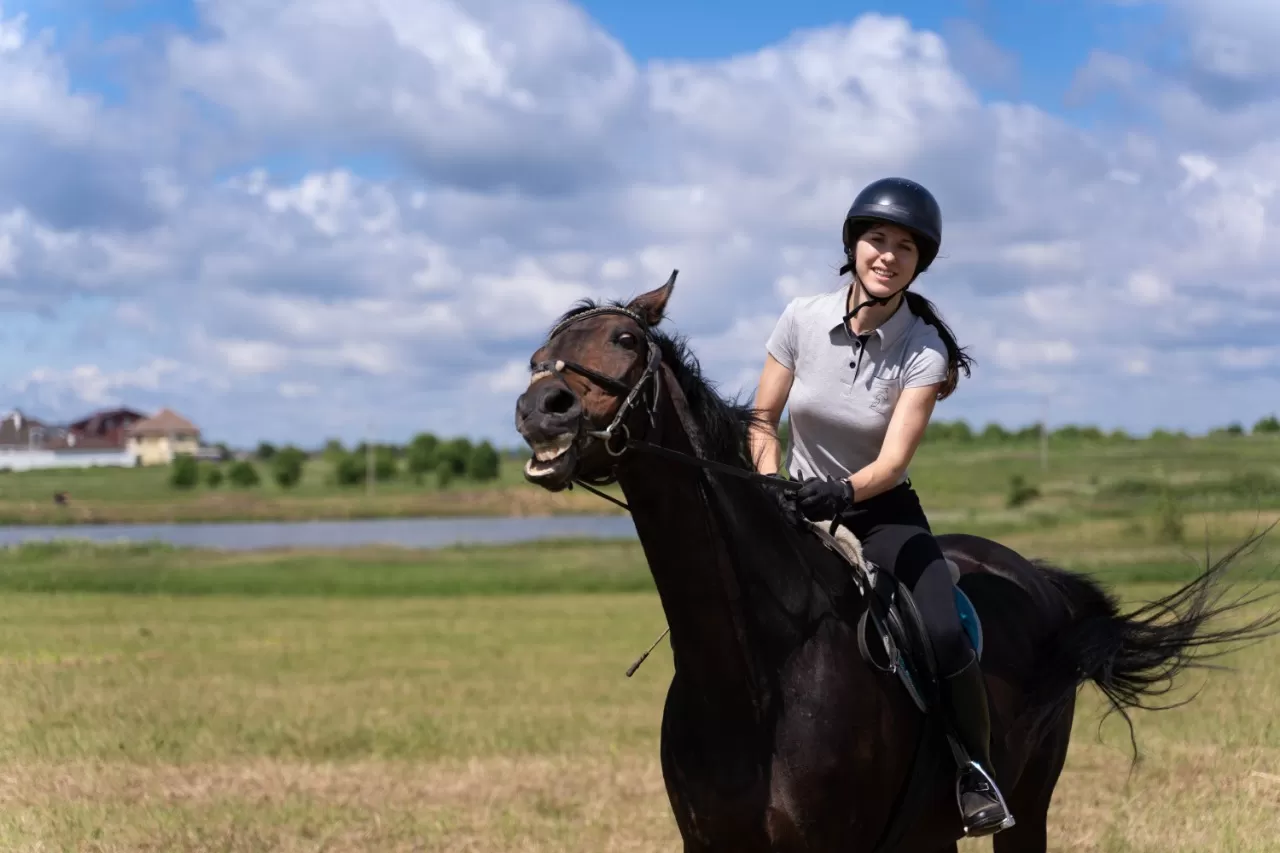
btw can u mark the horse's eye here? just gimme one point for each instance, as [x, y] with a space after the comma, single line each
[626, 339]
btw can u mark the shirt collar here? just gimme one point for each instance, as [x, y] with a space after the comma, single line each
[888, 331]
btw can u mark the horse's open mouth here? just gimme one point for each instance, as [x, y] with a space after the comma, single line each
[553, 462]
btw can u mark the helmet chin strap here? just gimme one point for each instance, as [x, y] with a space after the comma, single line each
[871, 300]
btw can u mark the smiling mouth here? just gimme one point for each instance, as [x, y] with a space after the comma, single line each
[552, 460]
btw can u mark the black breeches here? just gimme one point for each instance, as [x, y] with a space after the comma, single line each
[895, 536]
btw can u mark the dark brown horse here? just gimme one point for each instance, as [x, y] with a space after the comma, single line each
[777, 735]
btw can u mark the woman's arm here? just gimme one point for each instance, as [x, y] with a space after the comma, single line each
[771, 399]
[906, 429]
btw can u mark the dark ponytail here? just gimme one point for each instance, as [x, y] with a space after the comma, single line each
[957, 358]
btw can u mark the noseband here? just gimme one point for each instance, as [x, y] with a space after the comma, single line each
[617, 386]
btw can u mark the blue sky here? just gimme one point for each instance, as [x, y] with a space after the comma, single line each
[332, 213]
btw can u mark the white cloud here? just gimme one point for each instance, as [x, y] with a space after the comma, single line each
[522, 160]
[90, 385]
[1149, 288]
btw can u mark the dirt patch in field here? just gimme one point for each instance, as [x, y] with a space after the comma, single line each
[1181, 800]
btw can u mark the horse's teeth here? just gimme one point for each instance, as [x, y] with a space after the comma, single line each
[547, 450]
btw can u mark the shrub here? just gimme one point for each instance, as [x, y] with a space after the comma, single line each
[184, 472]
[1169, 517]
[213, 478]
[1269, 424]
[350, 470]
[1020, 492]
[243, 474]
[485, 463]
[287, 467]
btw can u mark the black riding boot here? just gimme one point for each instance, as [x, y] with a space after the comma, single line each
[982, 806]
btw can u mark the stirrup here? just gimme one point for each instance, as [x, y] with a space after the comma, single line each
[974, 767]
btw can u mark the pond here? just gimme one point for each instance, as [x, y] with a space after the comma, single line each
[404, 532]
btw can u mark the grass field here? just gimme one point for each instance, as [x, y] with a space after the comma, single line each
[473, 698]
[968, 483]
[143, 495]
[165, 700]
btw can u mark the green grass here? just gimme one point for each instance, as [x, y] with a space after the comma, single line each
[544, 567]
[144, 495]
[968, 482]
[488, 723]
[157, 569]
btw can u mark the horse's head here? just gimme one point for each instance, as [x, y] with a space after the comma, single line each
[593, 379]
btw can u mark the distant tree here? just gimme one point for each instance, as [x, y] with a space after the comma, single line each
[484, 463]
[333, 451]
[266, 450]
[456, 453]
[244, 474]
[1118, 435]
[385, 466]
[184, 472]
[213, 477]
[1269, 424]
[422, 454]
[995, 433]
[1028, 432]
[444, 474]
[287, 466]
[353, 468]
[349, 470]
[948, 431]
[224, 452]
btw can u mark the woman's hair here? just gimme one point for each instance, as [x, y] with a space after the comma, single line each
[957, 358]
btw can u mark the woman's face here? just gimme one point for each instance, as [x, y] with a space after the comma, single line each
[885, 259]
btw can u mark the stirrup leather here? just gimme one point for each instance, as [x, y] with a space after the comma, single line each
[974, 767]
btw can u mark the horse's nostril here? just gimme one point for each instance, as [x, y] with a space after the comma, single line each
[558, 401]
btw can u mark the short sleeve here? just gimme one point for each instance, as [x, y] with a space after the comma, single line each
[782, 342]
[926, 361]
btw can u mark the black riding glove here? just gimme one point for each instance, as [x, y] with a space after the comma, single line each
[823, 500]
[786, 502]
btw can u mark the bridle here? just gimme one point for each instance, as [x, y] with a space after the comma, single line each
[651, 377]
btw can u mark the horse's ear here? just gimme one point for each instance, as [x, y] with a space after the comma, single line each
[653, 304]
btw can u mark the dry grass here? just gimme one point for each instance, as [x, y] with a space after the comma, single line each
[474, 724]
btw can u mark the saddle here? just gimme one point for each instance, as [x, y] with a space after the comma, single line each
[892, 636]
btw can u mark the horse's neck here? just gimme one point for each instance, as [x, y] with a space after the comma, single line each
[690, 557]
[696, 582]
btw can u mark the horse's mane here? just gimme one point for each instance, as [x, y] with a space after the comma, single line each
[725, 423]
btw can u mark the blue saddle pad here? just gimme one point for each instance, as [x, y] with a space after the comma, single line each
[969, 620]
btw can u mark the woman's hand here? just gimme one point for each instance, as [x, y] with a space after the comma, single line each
[822, 500]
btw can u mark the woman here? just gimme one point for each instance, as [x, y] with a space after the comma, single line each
[861, 368]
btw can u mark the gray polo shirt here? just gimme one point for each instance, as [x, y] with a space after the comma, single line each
[846, 386]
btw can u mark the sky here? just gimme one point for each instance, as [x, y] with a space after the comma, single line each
[328, 218]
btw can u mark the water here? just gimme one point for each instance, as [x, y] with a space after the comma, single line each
[405, 532]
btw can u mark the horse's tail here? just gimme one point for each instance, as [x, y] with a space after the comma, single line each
[1135, 656]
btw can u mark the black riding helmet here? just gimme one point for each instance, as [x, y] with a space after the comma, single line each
[902, 202]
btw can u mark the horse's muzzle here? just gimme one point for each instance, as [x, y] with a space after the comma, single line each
[549, 418]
